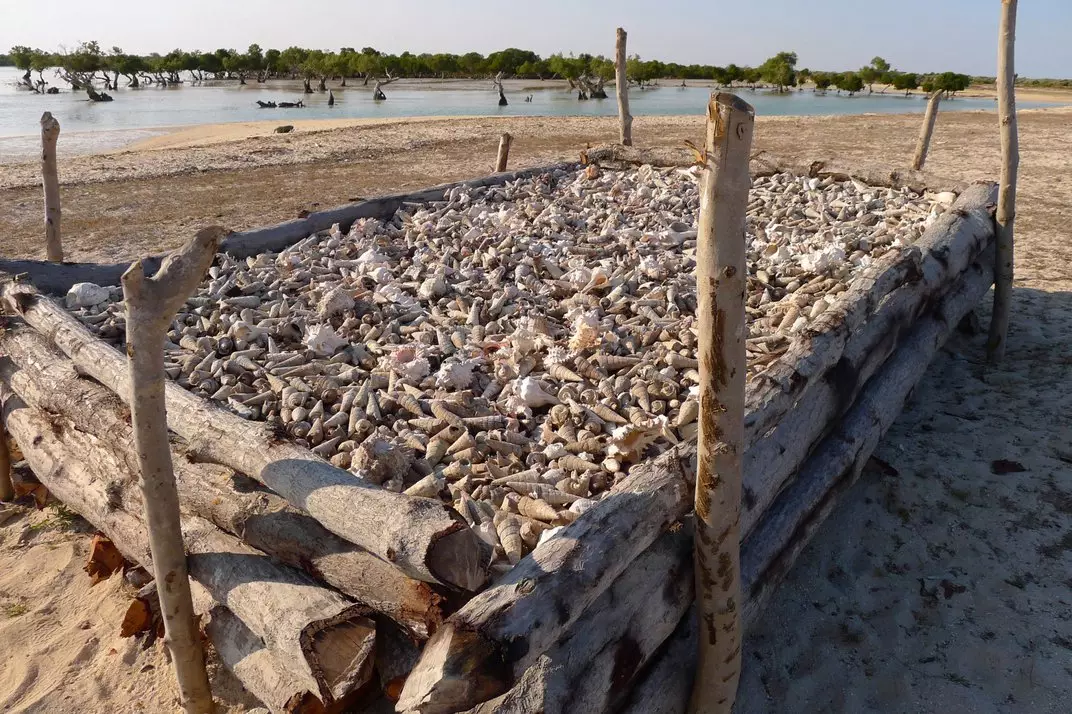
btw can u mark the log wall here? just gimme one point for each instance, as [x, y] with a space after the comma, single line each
[598, 615]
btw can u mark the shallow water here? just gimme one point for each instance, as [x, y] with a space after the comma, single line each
[136, 114]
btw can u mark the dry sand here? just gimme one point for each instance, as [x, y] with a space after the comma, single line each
[945, 587]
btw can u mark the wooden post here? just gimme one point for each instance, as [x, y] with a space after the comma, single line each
[1010, 166]
[927, 131]
[625, 120]
[720, 280]
[151, 303]
[7, 488]
[50, 132]
[504, 152]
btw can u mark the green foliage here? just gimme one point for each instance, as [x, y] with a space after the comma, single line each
[823, 80]
[780, 70]
[849, 82]
[906, 81]
[14, 609]
[880, 65]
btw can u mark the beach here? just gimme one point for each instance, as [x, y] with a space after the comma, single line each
[940, 583]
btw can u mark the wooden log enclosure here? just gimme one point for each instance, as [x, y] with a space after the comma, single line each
[321, 592]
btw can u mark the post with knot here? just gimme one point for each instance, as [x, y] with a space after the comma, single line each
[151, 304]
[720, 287]
[504, 152]
[50, 133]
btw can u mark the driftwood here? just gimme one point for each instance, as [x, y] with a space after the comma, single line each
[721, 276]
[258, 668]
[927, 131]
[420, 536]
[152, 301]
[57, 278]
[774, 545]
[50, 133]
[621, 88]
[593, 665]
[664, 687]
[1010, 168]
[46, 379]
[321, 637]
[504, 152]
[483, 649]
[793, 403]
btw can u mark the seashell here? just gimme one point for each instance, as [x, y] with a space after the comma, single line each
[680, 361]
[614, 363]
[376, 460]
[465, 441]
[563, 373]
[629, 442]
[607, 414]
[410, 404]
[440, 410]
[575, 463]
[428, 487]
[537, 509]
[509, 530]
[335, 301]
[504, 447]
[639, 391]
[532, 394]
[323, 340]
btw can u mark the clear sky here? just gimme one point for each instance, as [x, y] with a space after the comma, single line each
[914, 35]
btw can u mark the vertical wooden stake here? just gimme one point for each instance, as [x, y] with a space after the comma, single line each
[927, 131]
[1010, 167]
[504, 152]
[50, 132]
[151, 303]
[7, 488]
[720, 287]
[625, 120]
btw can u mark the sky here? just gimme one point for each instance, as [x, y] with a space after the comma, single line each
[913, 35]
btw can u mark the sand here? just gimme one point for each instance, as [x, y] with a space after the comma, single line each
[942, 583]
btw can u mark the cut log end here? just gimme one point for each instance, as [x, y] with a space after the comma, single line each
[460, 559]
[456, 669]
[342, 655]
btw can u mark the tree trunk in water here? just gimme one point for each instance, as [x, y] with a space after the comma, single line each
[50, 132]
[504, 152]
[720, 279]
[625, 120]
[151, 304]
[927, 131]
[323, 85]
[307, 89]
[1010, 167]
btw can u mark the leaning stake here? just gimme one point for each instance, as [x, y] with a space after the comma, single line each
[50, 132]
[1010, 166]
[151, 304]
[720, 287]
[621, 88]
[927, 131]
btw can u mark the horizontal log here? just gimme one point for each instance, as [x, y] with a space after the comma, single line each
[57, 278]
[420, 536]
[483, 649]
[774, 545]
[322, 639]
[945, 249]
[665, 687]
[865, 333]
[595, 663]
[44, 378]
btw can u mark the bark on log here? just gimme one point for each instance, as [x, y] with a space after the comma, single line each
[665, 686]
[44, 378]
[949, 245]
[621, 88]
[422, 537]
[50, 132]
[825, 372]
[258, 668]
[1010, 168]
[927, 131]
[57, 278]
[721, 274]
[790, 522]
[504, 152]
[484, 648]
[151, 305]
[318, 635]
[594, 664]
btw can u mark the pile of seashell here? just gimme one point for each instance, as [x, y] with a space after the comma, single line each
[513, 347]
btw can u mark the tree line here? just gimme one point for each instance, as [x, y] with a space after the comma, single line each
[89, 63]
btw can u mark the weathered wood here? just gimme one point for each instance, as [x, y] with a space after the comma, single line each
[721, 275]
[860, 332]
[50, 133]
[318, 635]
[484, 648]
[949, 244]
[504, 151]
[1010, 168]
[595, 663]
[621, 88]
[664, 688]
[151, 305]
[7, 488]
[774, 545]
[258, 668]
[420, 536]
[927, 131]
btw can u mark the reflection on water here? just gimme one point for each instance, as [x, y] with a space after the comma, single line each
[113, 123]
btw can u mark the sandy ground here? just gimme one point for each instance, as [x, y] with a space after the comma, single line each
[945, 587]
